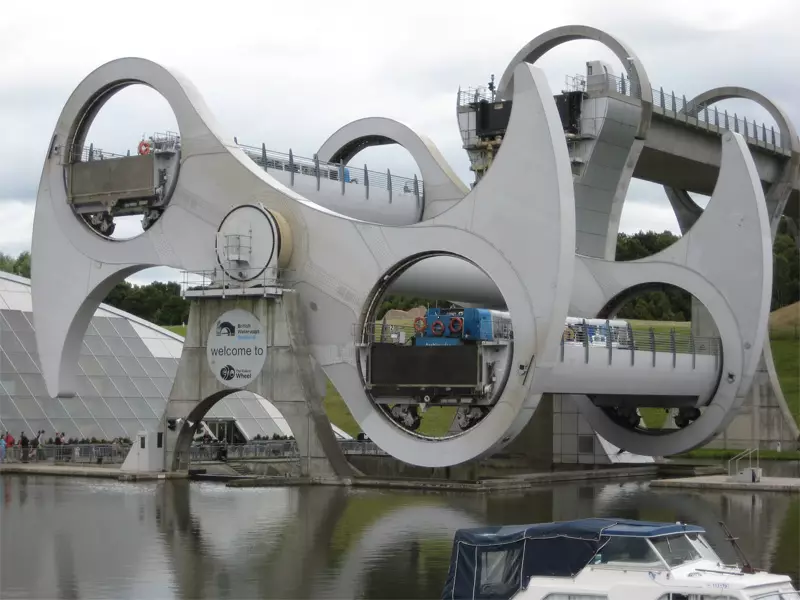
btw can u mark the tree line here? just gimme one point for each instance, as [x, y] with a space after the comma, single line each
[162, 304]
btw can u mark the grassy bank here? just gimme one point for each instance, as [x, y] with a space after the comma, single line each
[786, 354]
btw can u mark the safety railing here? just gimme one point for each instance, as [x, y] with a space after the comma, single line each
[574, 83]
[355, 447]
[218, 282]
[733, 463]
[616, 339]
[384, 332]
[90, 153]
[254, 450]
[289, 162]
[677, 107]
[345, 174]
[672, 341]
[69, 453]
[271, 449]
[473, 95]
[669, 103]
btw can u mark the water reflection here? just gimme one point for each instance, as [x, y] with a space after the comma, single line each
[80, 538]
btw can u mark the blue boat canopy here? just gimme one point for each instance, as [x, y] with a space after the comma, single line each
[496, 562]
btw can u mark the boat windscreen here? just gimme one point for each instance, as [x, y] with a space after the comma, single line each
[676, 549]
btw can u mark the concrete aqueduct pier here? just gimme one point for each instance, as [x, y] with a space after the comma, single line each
[296, 256]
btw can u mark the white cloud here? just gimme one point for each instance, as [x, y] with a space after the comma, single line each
[16, 224]
[289, 75]
[644, 216]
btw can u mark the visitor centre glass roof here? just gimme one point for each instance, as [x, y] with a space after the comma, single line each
[127, 366]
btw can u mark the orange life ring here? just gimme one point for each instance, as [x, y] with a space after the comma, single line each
[456, 324]
[437, 328]
[420, 324]
[144, 147]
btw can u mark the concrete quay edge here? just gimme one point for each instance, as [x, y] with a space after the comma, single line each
[486, 485]
[767, 484]
[91, 472]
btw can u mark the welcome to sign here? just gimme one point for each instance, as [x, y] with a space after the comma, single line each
[236, 348]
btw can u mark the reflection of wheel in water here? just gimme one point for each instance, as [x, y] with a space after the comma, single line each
[469, 416]
[406, 415]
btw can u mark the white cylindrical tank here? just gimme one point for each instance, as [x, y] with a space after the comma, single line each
[449, 278]
[621, 372]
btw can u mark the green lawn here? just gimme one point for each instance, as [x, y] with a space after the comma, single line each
[179, 329]
[786, 354]
[660, 326]
[436, 421]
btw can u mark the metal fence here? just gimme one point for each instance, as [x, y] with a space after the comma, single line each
[271, 160]
[677, 341]
[89, 153]
[703, 116]
[252, 281]
[671, 105]
[70, 453]
[474, 95]
[115, 453]
[279, 161]
[628, 340]
[271, 449]
[252, 450]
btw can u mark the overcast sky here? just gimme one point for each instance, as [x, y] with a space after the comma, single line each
[290, 73]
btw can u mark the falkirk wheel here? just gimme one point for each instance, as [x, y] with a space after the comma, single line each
[526, 310]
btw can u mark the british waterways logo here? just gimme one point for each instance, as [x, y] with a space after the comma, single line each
[225, 328]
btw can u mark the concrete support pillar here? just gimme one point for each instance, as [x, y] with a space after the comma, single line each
[764, 418]
[288, 379]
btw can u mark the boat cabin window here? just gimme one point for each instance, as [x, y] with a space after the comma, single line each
[500, 572]
[676, 549]
[626, 551]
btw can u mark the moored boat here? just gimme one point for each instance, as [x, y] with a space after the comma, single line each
[601, 559]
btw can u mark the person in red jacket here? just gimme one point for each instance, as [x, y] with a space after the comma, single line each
[9, 446]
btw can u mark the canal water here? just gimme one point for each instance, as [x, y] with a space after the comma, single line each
[83, 538]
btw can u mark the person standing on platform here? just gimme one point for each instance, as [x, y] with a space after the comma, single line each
[10, 445]
[23, 444]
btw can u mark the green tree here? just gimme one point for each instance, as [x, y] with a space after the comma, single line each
[162, 303]
[21, 265]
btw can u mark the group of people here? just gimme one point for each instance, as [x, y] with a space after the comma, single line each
[26, 445]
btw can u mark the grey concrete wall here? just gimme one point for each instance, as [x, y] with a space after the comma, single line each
[609, 126]
[533, 446]
[288, 380]
[763, 421]
[571, 432]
